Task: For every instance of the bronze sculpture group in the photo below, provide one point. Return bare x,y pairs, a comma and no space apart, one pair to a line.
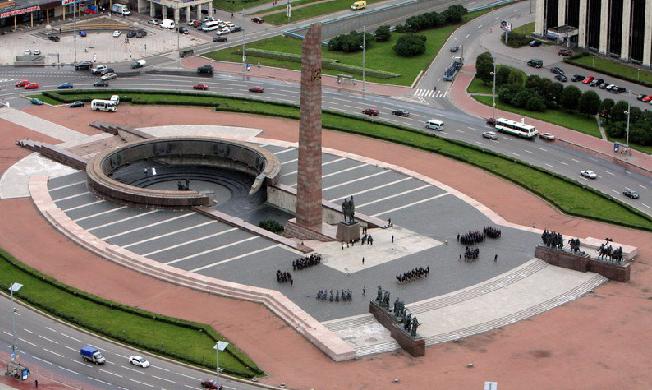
399,313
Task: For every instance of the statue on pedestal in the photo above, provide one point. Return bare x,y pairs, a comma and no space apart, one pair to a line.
348,210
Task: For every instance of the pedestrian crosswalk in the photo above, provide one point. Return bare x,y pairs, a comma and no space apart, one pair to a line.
5,80
430,93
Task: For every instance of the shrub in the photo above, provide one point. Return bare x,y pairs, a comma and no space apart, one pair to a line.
522,97
502,75
507,93
272,226
589,103
535,103
569,97
383,34
410,45
484,65
454,13
605,108
350,43
516,39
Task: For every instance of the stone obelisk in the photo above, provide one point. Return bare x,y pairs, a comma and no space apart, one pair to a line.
309,202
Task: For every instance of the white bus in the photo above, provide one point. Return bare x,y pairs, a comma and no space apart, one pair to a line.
519,129
210,26
103,105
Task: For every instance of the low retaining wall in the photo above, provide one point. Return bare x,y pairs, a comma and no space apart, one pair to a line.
324,339
55,153
560,258
415,347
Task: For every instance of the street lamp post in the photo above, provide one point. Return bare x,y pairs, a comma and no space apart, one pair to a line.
629,109
220,346
15,287
493,91
364,60
244,55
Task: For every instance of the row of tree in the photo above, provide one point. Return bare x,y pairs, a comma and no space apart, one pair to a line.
452,15
534,93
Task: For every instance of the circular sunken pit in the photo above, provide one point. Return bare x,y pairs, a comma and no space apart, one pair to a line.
186,156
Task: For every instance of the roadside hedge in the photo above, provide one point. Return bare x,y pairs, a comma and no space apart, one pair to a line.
455,149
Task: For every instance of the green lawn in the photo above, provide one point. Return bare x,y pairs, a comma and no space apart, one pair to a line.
177,339
312,11
571,121
569,196
238,5
614,68
380,55
478,86
525,29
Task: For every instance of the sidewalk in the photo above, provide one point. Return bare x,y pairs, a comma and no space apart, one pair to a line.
294,76
603,148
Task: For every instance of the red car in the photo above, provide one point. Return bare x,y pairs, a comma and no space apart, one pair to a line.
647,99
588,80
371,111
210,384
202,87
32,86
22,83
257,89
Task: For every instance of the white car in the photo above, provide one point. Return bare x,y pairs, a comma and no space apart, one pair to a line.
139,361
27,52
229,24
155,22
223,31
109,76
589,174
36,52
489,135
116,33
547,136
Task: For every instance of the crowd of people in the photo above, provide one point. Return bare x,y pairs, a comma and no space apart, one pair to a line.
284,277
339,296
471,254
414,274
471,238
492,232
306,262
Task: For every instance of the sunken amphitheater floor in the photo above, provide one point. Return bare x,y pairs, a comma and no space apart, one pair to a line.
212,241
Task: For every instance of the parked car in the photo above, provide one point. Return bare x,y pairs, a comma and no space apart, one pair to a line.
154,22
183,30
588,80
36,52
138,361
454,49
557,70
109,76
603,85
82,34
565,52
27,52
32,86
54,38
138,64
371,111
596,82
76,104
577,77
535,63
202,87
547,136
65,86
235,29
258,20
36,101
589,174
534,43
22,83
196,23
610,87
211,384
131,34
101,83
223,31
116,34
141,33
257,89
561,78
617,89
219,39
631,194
400,112
489,135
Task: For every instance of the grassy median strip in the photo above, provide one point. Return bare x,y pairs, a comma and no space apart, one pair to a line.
314,10
612,68
181,340
581,123
568,195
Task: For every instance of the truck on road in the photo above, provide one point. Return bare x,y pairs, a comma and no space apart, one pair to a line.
92,354
120,9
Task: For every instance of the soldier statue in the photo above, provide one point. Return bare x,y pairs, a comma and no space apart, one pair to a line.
348,210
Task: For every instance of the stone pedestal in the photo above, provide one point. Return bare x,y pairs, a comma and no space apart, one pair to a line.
348,232
414,346
611,271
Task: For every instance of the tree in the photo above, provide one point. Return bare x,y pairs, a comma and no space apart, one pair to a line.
484,65
502,75
454,14
516,77
535,103
383,34
618,111
589,103
640,134
410,45
605,108
533,82
349,43
507,93
522,97
616,129
570,96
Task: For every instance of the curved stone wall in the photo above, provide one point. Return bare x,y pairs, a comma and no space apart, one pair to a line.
190,151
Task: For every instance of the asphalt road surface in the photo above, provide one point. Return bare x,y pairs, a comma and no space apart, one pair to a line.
54,346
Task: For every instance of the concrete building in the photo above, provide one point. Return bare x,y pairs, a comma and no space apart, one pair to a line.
177,10
618,28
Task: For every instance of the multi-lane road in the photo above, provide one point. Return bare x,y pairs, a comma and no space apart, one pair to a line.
53,346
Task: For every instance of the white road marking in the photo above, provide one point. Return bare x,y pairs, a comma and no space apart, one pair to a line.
111,373
170,233
346,170
240,256
100,213
642,186
22,340
615,192
42,360
67,185
572,159
609,173
326,163
290,161
285,151
47,339
52,352
393,196
163,379
191,241
28,331
543,149
645,205
479,143
467,36
374,188
219,248
187,376
357,179
548,165
563,163
516,154
72,196
459,131
527,151
410,204
51,329
84,205
148,226
122,220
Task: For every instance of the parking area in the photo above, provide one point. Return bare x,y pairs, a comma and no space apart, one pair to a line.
100,46
424,212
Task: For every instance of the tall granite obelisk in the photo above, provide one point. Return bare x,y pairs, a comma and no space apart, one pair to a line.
309,196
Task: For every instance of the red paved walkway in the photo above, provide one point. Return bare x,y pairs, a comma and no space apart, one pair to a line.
598,342
466,103
295,77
